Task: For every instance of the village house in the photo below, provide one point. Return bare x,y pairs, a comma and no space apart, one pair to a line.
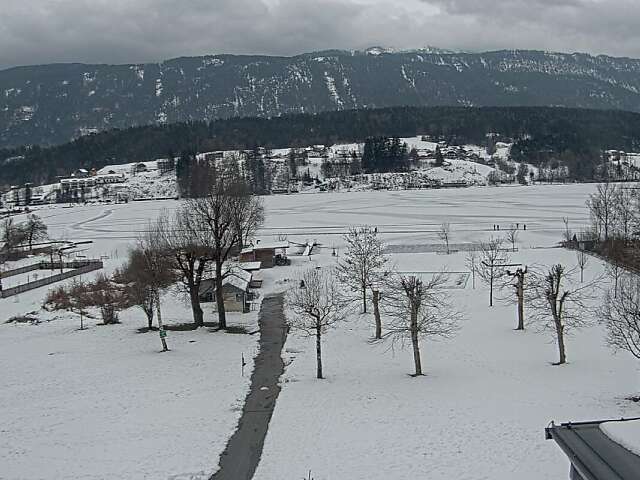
268,254
236,290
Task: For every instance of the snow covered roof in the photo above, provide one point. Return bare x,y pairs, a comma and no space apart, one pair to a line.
238,278
270,245
249,266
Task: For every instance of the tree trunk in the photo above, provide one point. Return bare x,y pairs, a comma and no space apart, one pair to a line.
561,349
491,291
520,304
414,342
160,326
376,313
319,352
149,308
196,309
581,275
222,314
364,299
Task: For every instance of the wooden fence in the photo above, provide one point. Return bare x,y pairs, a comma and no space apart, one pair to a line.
78,267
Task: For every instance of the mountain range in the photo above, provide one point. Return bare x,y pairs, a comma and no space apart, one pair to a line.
52,104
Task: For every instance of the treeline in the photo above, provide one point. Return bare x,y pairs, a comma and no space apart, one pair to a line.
542,134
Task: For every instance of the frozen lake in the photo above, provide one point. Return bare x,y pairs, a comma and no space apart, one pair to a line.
401,216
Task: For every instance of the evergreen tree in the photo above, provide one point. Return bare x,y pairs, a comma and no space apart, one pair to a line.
439,158
184,169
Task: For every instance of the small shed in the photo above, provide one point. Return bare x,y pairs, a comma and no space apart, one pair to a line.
235,291
268,254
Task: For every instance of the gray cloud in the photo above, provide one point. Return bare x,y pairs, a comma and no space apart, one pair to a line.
123,31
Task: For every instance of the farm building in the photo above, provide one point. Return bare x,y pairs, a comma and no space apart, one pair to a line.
235,290
269,254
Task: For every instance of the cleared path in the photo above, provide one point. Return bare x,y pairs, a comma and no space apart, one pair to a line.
240,459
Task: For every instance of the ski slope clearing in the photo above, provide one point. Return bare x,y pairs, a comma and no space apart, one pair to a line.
103,403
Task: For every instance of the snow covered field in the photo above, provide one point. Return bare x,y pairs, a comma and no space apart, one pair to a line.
103,404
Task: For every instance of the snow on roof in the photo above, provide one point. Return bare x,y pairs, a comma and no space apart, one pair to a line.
238,278
250,265
266,246
274,245
126,167
235,276
626,434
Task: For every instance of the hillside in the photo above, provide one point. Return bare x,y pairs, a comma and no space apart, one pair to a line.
576,137
53,104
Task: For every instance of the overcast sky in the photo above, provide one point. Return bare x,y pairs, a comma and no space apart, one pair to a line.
128,31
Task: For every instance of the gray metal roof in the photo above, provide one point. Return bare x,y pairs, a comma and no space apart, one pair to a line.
593,454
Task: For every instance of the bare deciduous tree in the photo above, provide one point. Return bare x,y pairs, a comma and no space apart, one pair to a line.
625,211
34,229
363,263
620,313
108,296
72,297
615,262
148,271
472,261
315,306
375,298
558,305
445,234
519,286
567,234
247,214
493,258
418,309
185,238
229,216
159,274
12,235
512,237
602,207
583,259
134,279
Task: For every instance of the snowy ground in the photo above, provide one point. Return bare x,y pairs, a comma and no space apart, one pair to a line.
103,403
111,407
479,413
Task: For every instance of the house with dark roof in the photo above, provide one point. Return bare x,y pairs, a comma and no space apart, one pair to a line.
593,454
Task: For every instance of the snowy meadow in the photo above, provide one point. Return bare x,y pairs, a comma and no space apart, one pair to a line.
103,403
